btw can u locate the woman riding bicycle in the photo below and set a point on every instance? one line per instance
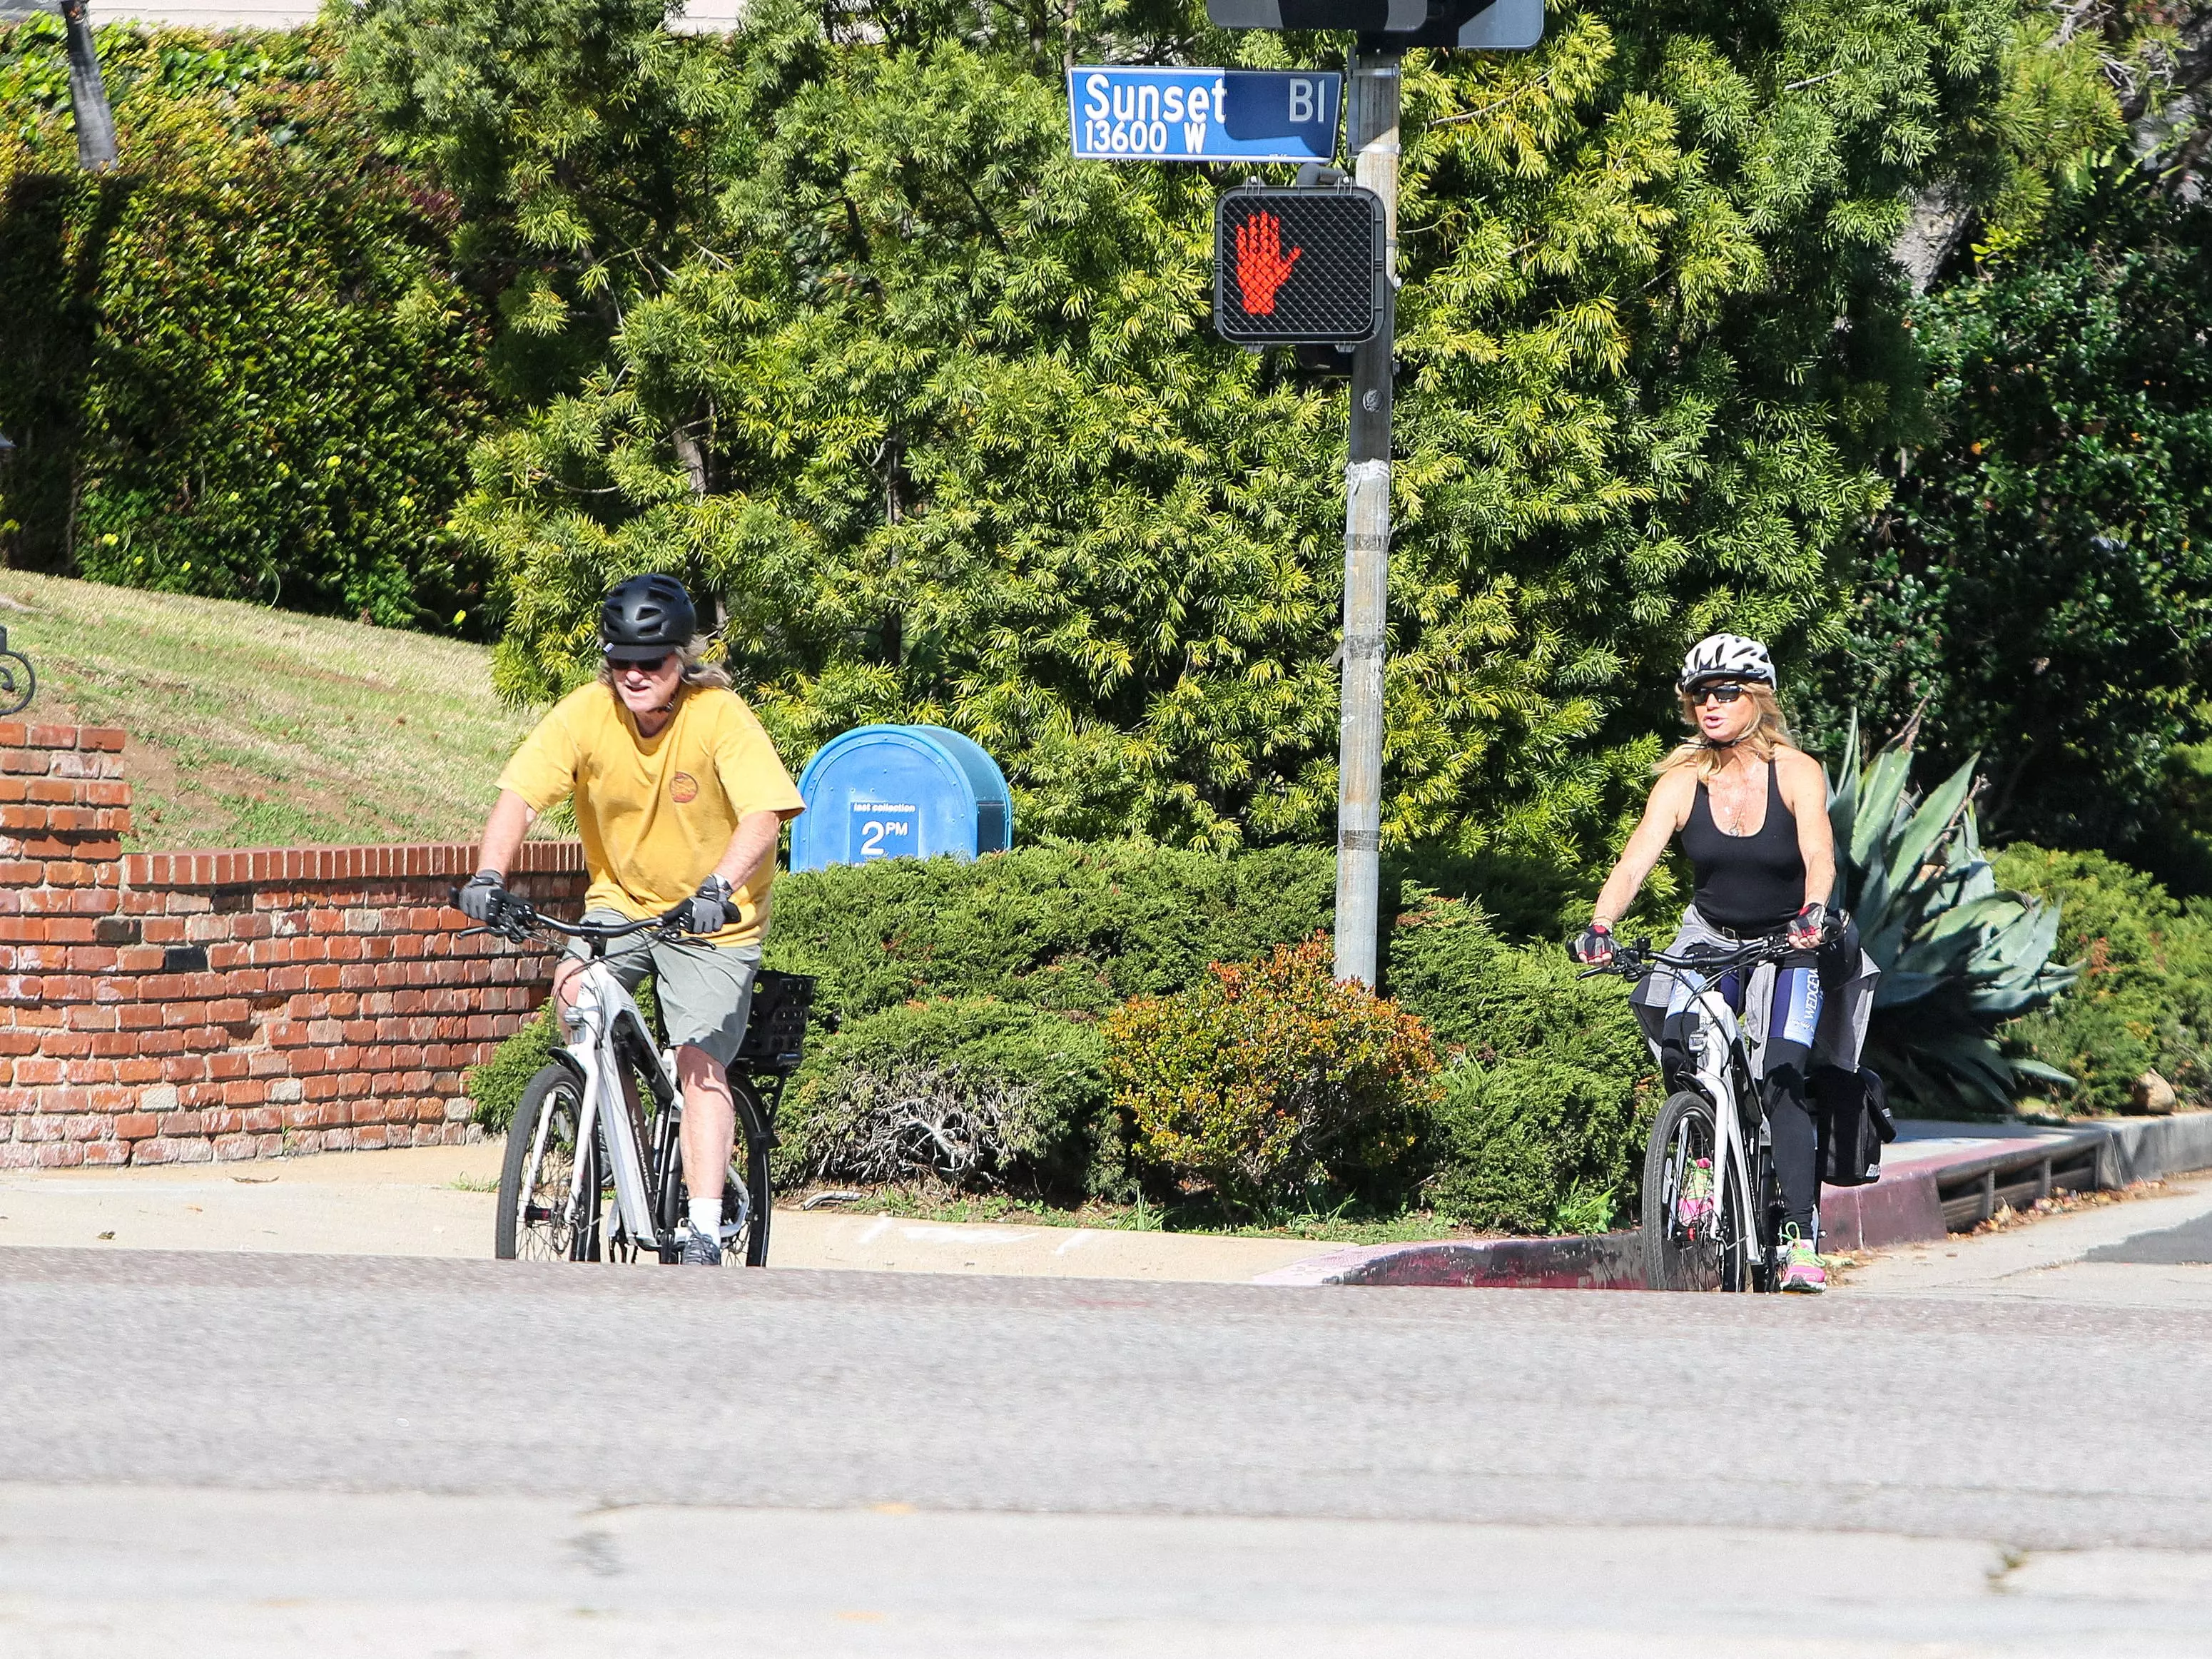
(1753, 812)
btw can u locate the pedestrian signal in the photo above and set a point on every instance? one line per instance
(1298, 266)
(1467, 25)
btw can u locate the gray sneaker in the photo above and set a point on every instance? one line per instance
(699, 1250)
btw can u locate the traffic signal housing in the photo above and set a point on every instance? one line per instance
(1298, 266)
(1467, 25)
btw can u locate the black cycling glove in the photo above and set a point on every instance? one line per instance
(1807, 926)
(1594, 945)
(711, 909)
(483, 897)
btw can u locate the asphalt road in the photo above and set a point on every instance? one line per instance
(1395, 1467)
(2188, 1245)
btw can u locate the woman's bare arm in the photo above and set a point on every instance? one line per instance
(1666, 811)
(1805, 792)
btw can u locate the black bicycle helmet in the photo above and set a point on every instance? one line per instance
(646, 617)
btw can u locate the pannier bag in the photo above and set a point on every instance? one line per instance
(1855, 1122)
(776, 1031)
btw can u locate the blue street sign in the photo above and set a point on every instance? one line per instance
(1203, 114)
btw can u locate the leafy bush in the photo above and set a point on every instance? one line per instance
(1061, 926)
(1542, 1121)
(2143, 1000)
(935, 409)
(1535, 1143)
(496, 1086)
(1272, 1083)
(237, 366)
(2177, 847)
(968, 1092)
(2040, 582)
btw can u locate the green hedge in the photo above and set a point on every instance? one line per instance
(2143, 1001)
(1543, 1118)
(237, 366)
(968, 1092)
(1079, 927)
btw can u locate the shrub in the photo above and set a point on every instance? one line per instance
(968, 1091)
(1062, 926)
(497, 1085)
(2143, 1001)
(237, 366)
(1272, 1083)
(1534, 1143)
(1541, 1121)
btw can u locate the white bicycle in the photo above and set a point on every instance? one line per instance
(1713, 1203)
(599, 1127)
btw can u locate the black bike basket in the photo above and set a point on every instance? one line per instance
(776, 1035)
(1855, 1124)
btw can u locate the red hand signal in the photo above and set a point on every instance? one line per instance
(1262, 266)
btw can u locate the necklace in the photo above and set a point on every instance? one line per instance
(1732, 813)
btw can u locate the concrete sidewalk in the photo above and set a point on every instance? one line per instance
(2115, 1255)
(438, 1201)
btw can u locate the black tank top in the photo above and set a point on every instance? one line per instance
(1747, 883)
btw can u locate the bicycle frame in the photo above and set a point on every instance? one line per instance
(1720, 1066)
(601, 1015)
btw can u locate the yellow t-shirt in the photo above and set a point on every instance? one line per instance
(656, 813)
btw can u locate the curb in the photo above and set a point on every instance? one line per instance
(1915, 1202)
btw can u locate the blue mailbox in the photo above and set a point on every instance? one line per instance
(889, 792)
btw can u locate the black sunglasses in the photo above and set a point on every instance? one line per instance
(1717, 693)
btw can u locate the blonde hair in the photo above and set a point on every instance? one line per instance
(697, 671)
(1769, 733)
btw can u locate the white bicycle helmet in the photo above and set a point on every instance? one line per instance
(1727, 656)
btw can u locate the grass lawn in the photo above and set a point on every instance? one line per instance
(252, 727)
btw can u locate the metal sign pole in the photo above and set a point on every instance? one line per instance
(96, 122)
(1374, 135)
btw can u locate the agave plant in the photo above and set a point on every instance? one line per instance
(1958, 953)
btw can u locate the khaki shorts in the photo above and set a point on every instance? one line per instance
(705, 991)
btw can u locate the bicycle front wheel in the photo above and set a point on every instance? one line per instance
(1692, 1238)
(545, 1214)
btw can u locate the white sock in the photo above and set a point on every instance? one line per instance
(707, 1215)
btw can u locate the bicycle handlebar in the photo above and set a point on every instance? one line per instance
(519, 919)
(1636, 959)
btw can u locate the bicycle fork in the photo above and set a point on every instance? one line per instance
(1732, 1161)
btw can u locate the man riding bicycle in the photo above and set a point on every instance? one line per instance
(1753, 812)
(679, 799)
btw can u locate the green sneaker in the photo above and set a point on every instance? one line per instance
(1694, 1205)
(1800, 1267)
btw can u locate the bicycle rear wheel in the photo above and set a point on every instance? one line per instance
(1692, 1238)
(17, 681)
(744, 1218)
(1767, 1185)
(763, 1204)
(543, 1216)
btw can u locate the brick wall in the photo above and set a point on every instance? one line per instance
(183, 1006)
